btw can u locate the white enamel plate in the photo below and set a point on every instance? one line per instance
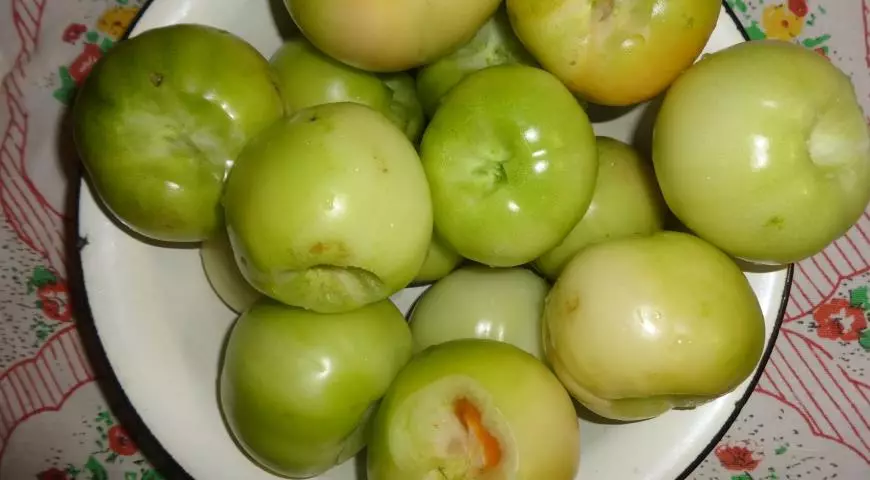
(162, 327)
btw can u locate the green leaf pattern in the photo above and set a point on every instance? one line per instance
(860, 298)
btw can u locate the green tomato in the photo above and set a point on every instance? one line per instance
(503, 304)
(763, 150)
(158, 124)
(637, 326)
(219, 265)
(308, 77)
(494, 44)
(440, 260)
(389, 36)
(298, 388)
(511, 161)
(626, 202)
(474, 409)
(329, 209)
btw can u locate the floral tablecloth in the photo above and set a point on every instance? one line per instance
(63, 416)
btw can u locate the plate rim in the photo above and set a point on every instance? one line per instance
(688, 470)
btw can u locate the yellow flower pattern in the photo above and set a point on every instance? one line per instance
(114, 21)
(789, 20)
(781, 23)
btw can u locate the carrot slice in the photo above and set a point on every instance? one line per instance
(472, 421)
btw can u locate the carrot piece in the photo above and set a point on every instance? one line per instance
(472, 421)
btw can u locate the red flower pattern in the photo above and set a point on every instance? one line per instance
(82, 65)
(120, 442)
(798, 7)
(52, 474)
(838, 320)
(737, 457)
(52, 294)
(74, 32)
(54, 301)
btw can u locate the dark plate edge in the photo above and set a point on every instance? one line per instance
(739, 404)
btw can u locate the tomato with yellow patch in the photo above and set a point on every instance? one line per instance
(615, 52)
(389, 36)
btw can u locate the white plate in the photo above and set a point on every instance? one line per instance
(162, 327)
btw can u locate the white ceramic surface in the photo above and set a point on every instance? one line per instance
(162, 327)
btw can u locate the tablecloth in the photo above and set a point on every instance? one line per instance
(63, 415)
